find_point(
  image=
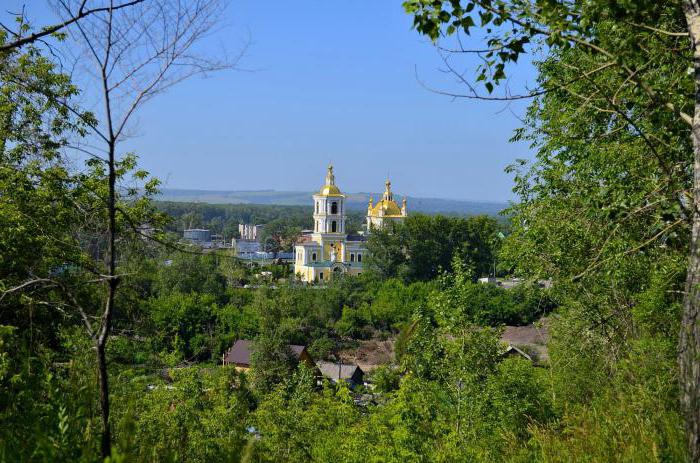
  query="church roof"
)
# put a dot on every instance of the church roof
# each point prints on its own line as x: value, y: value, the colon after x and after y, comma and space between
x: 330, y: 189
x: 386, y: 207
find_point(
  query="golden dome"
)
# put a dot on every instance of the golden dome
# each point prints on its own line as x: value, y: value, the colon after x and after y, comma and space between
x: 329, y: 189
x: 386, y: 207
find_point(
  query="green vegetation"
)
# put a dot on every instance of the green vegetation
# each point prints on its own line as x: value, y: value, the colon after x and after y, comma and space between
x: 283, y: 224
x: 423, y: 246
x: 606, y: 211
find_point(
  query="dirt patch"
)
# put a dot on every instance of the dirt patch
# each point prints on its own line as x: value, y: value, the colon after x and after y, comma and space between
x: 531, y: 338
x: 370, y: 354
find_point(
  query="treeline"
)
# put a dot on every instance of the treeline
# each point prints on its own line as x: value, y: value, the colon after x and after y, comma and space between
x: 282, y: 224
x: 223, y: 219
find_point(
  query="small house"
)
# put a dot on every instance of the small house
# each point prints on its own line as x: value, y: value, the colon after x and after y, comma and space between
x: 512, y: 351
x: 336, y: 372
x: 239, y: 354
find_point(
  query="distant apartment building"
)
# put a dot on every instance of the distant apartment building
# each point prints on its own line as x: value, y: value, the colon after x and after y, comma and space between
x: 249, y: 231
x: 248, y: 245
x: 197, y: 234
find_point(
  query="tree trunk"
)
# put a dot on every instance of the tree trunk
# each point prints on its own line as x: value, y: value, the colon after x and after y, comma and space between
x: 689, y: 339
x: 106, y: 442
x: 112, y: 282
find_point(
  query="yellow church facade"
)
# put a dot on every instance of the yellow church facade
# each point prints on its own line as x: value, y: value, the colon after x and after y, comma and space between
x: 330, y: 250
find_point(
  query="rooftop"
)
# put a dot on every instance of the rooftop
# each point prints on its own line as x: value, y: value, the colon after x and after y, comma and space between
x: 330, y: 189
x: 239, y: 353
x: 385, y: 207
x: 338, y: 371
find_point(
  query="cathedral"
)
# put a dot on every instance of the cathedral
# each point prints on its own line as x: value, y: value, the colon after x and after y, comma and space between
x: 330, y: 250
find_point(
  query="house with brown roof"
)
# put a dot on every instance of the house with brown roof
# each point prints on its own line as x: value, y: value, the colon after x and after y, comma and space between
x: 239, y: 355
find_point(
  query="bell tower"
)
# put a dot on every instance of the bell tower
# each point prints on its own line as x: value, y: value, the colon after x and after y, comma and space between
x: 329, y: 207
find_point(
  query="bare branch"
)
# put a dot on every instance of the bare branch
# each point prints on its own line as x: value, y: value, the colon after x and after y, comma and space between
x: 48, y: 30
x: 48, y: 283
x: 660, y: 31
x: 535, y: 93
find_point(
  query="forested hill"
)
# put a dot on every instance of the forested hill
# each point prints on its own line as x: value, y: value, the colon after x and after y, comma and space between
x: 355, y: 201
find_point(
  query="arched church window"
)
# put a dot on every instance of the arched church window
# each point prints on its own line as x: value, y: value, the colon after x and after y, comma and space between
x: 313, y: 257
x: 359, y: 257
x: 334, y: 226
x: 352, y: 257
x: 334, y: 207
x: 317, y: 207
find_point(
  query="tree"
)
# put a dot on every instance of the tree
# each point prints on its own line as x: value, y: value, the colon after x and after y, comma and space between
x: 138, y: 53
x: 280, y: 235
x: 49, y: 276
x: 386, y: 254
x: 423, y: 246
x: 510, y: 27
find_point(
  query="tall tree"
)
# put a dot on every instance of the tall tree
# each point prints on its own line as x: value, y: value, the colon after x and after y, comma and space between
x: 511, y: 26
x: 137, y: 52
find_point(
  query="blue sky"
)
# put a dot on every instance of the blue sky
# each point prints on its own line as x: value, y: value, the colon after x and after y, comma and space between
x: 328, y: 81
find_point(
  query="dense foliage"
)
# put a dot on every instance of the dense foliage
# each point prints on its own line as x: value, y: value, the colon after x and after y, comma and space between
x: 601, y: 213
x: 422, y: 247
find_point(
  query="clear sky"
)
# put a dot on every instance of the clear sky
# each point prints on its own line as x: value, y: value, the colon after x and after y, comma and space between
x: 328, y: 81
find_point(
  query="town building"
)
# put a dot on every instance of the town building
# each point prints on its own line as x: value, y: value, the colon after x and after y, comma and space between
x: 250, y: 232
x: 329, y: 250
x: 239, y: 355
x: 197, y: 234
x: 337, y: 372
x: 248, y: 245
x: 246, y: 249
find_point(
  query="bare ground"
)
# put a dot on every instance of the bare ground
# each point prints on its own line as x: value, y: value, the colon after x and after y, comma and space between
x: 370, y: 354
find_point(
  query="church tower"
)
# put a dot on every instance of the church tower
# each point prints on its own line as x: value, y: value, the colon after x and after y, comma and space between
x: 329, y: 251
x: 329, y: 208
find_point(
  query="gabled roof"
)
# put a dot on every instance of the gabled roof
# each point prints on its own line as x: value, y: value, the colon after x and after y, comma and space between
x: 337, y: 371
x: 512, y: 350
x: 239, y: 353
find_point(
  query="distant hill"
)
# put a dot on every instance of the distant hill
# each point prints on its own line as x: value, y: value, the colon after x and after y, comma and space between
x: 355, y: 201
